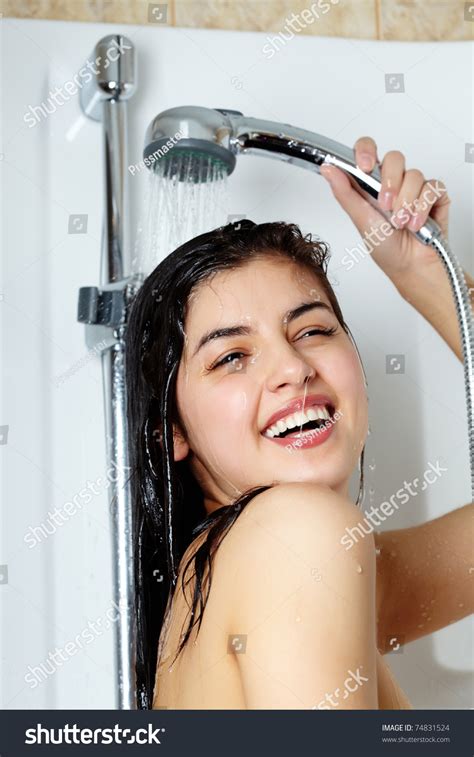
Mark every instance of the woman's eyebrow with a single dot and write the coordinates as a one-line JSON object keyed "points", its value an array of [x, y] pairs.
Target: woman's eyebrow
{"points": [[304, 307], [226, 331], [222, 332]]}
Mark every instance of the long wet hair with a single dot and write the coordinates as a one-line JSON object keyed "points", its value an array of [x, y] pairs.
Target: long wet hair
{"points": [[168, 503]]}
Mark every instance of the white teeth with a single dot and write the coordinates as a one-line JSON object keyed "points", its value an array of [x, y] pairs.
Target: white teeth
{"points": [[298, 419]]}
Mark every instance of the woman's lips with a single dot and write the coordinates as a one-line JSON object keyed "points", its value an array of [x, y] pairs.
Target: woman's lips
{"points": [[298, 404], [307, 439]]}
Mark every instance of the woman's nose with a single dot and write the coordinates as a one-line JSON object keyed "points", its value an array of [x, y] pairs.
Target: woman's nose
{"points": [[288, 367]]}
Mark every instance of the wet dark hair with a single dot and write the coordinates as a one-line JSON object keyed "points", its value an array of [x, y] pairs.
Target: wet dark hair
{"points": [[168, 503]]}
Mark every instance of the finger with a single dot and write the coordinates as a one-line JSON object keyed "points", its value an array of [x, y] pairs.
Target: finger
{"points": [[359, 210], [433, 201], [404, 206], [392, 172], [365, 153]]}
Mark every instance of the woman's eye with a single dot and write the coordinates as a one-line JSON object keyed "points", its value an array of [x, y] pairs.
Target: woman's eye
{"points": [[325, 332], [232, 356], [227, 359]]}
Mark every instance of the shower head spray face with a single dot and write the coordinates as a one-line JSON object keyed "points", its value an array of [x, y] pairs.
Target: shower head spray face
{"points": [[188, 165]]}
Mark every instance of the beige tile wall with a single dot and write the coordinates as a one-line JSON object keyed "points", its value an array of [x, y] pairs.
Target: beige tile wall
{"points": [[365, 19]]}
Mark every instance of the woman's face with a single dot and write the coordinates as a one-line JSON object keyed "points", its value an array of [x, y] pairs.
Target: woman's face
{"points": [[276, 358]]}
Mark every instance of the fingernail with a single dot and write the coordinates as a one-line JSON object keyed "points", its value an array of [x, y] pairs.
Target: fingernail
{"points": [[386, 200], [327, 173], [366, 161], [414, 222]]}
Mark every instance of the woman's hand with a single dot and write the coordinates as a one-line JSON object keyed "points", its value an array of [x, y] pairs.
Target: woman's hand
{"points": [[398, 252]]}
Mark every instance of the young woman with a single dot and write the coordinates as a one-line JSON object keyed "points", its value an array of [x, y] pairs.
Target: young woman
{"points": [[247, 416]]}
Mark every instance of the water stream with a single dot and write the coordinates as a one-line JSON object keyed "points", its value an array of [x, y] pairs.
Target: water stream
{"points": [[174, 211]]}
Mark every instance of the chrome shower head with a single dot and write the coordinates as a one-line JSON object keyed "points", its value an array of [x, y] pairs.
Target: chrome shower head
{"points": [[201, 134]]}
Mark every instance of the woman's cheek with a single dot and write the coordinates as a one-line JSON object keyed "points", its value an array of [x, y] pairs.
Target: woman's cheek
{"points": [[347, 380], [221, 417], [343, 373]]}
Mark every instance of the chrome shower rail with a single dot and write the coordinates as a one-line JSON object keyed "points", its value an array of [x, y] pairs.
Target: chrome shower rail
{"points": [[104, 98]]}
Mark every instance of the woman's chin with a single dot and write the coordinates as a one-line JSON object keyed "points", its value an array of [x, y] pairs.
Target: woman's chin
{"points": [[332, 473]]}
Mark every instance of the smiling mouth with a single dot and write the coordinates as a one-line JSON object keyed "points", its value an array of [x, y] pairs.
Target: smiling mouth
{"points": [[300, 422]]}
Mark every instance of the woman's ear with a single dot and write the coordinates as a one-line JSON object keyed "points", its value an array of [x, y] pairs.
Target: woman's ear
{"points": [[180, 445]]}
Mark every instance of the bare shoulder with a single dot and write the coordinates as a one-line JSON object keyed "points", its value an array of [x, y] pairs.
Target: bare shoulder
{"points": [[285, 536], [295, 514], [304, 603]]}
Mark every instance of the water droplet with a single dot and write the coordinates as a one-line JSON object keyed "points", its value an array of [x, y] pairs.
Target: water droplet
{"points": [[377, 551], [372, 464], [297, 618], [393, 554], [424, 614], [422, 625], [359, 568], [461, 604], [428, 618]]}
